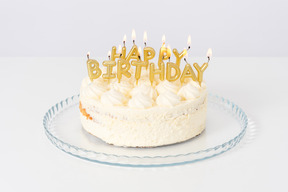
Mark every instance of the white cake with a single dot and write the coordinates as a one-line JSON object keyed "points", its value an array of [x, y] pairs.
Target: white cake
{"points": [[143, 115]]}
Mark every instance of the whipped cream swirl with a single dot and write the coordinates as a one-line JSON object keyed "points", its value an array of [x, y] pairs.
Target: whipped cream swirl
{"points": [[145, 89], [168, 98], [93, 90], [167, 86], [123, 87], [113, 98], [140, 101], [189, 92]]}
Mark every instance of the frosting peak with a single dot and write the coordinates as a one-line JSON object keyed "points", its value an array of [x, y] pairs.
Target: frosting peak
{"points": [[167, 86], [168, 98], [94, 89], [140, 101], [189, 91], [123, 87], [145, 89], [113, 97]]}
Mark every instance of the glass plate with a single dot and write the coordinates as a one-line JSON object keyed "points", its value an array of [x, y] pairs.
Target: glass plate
{"points": [[225, 127]]}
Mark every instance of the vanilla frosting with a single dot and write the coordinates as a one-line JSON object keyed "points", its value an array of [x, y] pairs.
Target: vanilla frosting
{"points": [[145, 89], [113, 98], [123, 87], [165, 85], [189, 91], [143, 115], [140, 101], [94, 89], [168, 98]]}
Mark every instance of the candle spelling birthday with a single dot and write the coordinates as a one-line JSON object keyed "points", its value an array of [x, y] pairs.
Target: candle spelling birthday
{"points": [[164, 69]]}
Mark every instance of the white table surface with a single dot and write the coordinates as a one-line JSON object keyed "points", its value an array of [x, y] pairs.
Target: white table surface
{"points": [[29, 162]]}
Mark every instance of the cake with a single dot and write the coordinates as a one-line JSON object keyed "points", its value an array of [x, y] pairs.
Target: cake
{"points": [[140, 109]]}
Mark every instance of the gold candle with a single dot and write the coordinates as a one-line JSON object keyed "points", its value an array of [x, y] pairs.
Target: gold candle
{"points": [[153, 71], [200, 71], [114, 53], [138, 64], [133, 53], [188, 73], [149, 53], [169, 68], [122, 52], [179, 56], [123, 67], [93, 68], [109, 72], [162, 52]]}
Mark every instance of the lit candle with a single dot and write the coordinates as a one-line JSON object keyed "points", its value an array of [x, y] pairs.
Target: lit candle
{"points": [[138, 64], [201, 69], [187, 72], [160, 71], [122, 51], [114, 53], [93, 68], [109, 70], [149, 52], [175, 75], [163, 52], [123, 67], [179, 56]]}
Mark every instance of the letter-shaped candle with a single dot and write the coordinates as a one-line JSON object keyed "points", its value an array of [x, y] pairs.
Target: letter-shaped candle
{"points": [[179, 56], [114, 54], [109, 73], [188, 73], [139, 65], [133, 53], [200, 71], [149, 53], [169, 75], [153, 71], [93, 69], [123, 67]]}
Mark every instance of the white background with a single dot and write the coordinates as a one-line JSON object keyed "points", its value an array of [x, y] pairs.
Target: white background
{"points": [[71, 28], [29, 162], [31, 85]]}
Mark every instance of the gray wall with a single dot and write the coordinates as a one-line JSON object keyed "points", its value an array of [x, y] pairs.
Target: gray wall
{"points": [[71, 28]]}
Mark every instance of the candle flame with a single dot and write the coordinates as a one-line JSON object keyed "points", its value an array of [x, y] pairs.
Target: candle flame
{"points": [[109, 54], [145, 37], [88, 55], [163, 39], [133, 35], [124, 38], [189, 41], [120, 49], [209, 53], [140, 51]]}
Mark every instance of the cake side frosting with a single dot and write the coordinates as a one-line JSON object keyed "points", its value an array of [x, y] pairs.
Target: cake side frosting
{"points": [[143, 115]]}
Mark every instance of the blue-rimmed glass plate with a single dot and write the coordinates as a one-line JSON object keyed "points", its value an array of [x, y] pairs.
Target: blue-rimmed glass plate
{"points": [[225, 127]]}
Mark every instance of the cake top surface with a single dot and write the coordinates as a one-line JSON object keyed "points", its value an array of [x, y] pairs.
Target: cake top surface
{"points": [[140, 95]]}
